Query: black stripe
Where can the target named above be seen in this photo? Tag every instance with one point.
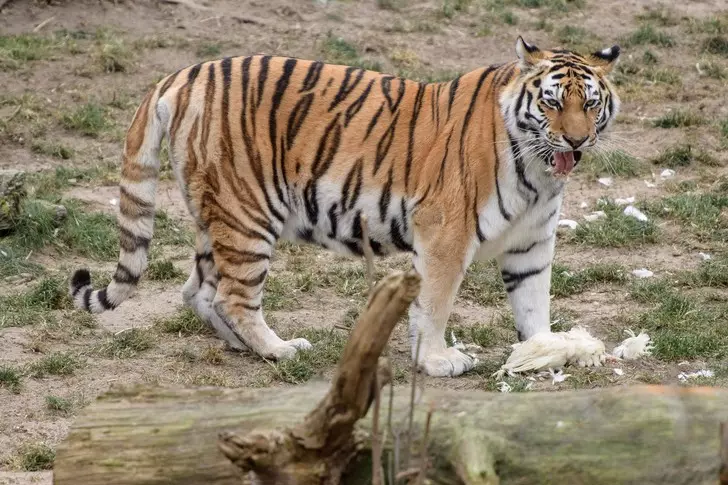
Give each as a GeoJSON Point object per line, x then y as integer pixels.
{"type": "Point", "coordinates": [385, 198]}
{"type": "Point", "coordinates": [519, 101]}
{"type": "Point", "coordinates": [356, 106]}
{"type": "Point", "coordinates": [451, 97]}
{"type": "Point", "coordinates": [386, 85]}
{"type": "Point", "coordinates": [359, 182]}
{"type": "Point", "coordinates": [194, 72]}
{"type": "Point", "coordinates": [146, 209]}
{"type": "Point", "coordinates": [403, 213]}
{"type": "Point", "coordinates": [347, 186]}
{"type": "Point", "coordinates": [347, 86]}
{"type": "Point", "coordinates": [356, 229]}
{"type": "Point", "coordinates": [299, 113]}
{"type": "Point", "coordinates": [385, 143]}
{"type": "Point", "coordinates": [478, 231]}
{"type": "Point", "coordinates": [280, 89]}
{"type": "Point", "coordinates": [104, 300]}
{"type": "Point", "coordinates": [203, 257]}
{"type": "Point", "coordinates": [312, 76]}
{"type": "Point", "coordinates": [469, 114]}
{"type": "Point", "coordinates": [527, 248]}
{"type": "Point", "coordinates": [373, 121]}
{"type": "Point", "coordinates": [513, 280]}
{"type": "Point", "coordinates": [333, 221]}
{"type": "Point", "coordinates": [124, 275]}
{"type": "Point", "coordinates": [168, 83]}
{"type": "Point", "coordinates": [327, 148]}
{"type": "Point", "coordinates": [310, 201]}
{"type": "Point", "coordinates": [397, 238]}
{"type": "Point", "coordinates": [87, 298]}
{"type": "Point", "coordinates": [411, 140]}
{"type": "Point", "coordinates": [225, 217]}
{"type": "Point", "coordinates": [520, 167]}
{"type": "Point", "coordinates": [441, 175]}
{"type": "Point", "coordinates": [262, 77]}
{"type": "Point", "coordinates": [251, 282]}
{"type": "Point", "coordinates": [237, 256]}
{"type": "Point", "coordinates": [130, 242]}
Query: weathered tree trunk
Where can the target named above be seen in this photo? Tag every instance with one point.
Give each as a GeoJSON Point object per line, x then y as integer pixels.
{"type": "Point", "coordinates": [629, 435]}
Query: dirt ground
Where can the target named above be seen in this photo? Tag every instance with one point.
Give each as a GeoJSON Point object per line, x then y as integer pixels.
{"type": "Point", "coordinates": [101, 56]}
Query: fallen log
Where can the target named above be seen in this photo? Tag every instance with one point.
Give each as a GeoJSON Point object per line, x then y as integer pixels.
{"type": "Point", "coordinates": [316, 435]}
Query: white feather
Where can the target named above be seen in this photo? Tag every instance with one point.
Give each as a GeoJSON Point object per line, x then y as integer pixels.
{"type": "Point", "coordinates": [633, 347]}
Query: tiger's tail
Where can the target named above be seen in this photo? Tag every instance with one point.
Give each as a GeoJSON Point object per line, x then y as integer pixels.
{"type": "Point", "coordinates": [139, 176]}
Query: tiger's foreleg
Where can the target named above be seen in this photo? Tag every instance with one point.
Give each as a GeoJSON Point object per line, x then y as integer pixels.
{"type": "Point", "coordinates": [527, 279]}
{"type": "Point", "coordinates": [200, 289]}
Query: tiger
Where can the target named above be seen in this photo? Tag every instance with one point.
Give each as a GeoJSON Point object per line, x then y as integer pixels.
{"type": "Point", "coordinates": [269, 148]}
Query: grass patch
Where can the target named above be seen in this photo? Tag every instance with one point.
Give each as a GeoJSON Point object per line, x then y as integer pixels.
{"type": "Point", "coordinates": [648, 34]}
{"type": "Point", "coordinates": [17, 50]}
{"type": "Point", "coordinates": [169, 231]}
{"type": "Point", "coordinates": [10, 379]}
{"type": "Point", "coordinates": [34, 306]}
{"type": "Point", "coordinates": [716, 45]}
{"type": "Point", "coordinates": [327, 348]}
{"type": "Point", "coordinates": [712, 273]}
{"type": "Point", "coordinates": [700, 213]}
{"type": "Point", "coordinates": [209, 50]}
{"type": "Point", "coordinates": [660, 16]}
{"type": "Point", "coordinates": [680, 326]}
{"type": "Point", "coordinates": [555, 5]}
{"type": "Point", "coordinates": [126, 344]}
{"type": "Point", "coordinates": [89, 119]}
{"type": "Point", "coordinates": [111, 54]}
{"type": "Point", "coordinates": [679, 119]}
{"type": "Point", "coordinates": [36, 457]}
{"type": "Point", "coordinates": [615, 230]}
{"type": "Point", "coordinates": [55, 364]}
{"type": "Point", "coordinates": [578, 38]}
{"type": "Point", "coordinates": [338, 50]}
{"type": "Point", "coordinates": [163, 270]}
{"type": "Point", "coordinates": [185, 323]}
{"type": "Point", "coordinates": [482, 335]}
{"type": "Point", "coordinates": [212, 355]}
{"type": "Point", "coordinates": [58, 404]}
{"type": "Point", "coordinates": [616, 163]}
{"type": "Point", "coordinates": [683, 155]}
{"type": "Point", "coordinates": [483, 284]}
{"type": "Point", "coordinates": [565, 283]}
{"type": "Point", "coordinates": [51, 149]}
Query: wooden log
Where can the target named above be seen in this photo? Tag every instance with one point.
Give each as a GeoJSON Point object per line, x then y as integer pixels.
{"type": "Point", "coordinates": [630, 435]}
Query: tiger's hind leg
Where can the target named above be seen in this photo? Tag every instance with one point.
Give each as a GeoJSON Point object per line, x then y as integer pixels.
{"type": "Point", "coordinates": [200, 289]}
{"type": "Point", "coordinates": [242, 259]}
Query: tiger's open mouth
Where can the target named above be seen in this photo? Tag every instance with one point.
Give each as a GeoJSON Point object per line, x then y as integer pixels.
{"type": "Point", "coordinates": [564, 162]}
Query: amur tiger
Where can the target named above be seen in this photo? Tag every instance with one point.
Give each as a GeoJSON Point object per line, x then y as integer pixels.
{"type": "Point", "coordinates": [268, 147]}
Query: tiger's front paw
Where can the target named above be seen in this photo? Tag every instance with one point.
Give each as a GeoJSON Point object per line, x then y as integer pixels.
{"type": "Point", "coordinates": [449, 362]}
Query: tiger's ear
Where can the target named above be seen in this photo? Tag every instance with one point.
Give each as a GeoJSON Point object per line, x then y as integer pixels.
{"type": "Point", "coordinates": [605, 59]}
{"type": "Point", "coordinates": [528, 54]}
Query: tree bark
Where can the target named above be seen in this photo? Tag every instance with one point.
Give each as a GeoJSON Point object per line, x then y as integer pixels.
{"type": "Point", "coordinates": [626, 435]}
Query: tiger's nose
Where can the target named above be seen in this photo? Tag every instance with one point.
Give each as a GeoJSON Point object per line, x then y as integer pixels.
{"type": "Point", "coordinates": [575, 142]}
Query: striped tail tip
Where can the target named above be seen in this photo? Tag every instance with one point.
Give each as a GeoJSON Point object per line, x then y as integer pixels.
{"type": "Point", "coordinates": [83, 295]}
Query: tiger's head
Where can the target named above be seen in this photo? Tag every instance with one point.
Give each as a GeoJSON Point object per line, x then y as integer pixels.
{"type": "Point", "coordinates": [561, 103]}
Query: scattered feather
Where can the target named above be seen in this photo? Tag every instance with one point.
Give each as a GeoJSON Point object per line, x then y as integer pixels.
{"type": "Point", "coordinates": [705, 256]}
{"type": "Point", "coordinates": [625, 201]}
{"type": "Point", "coordinates": [583, 205]}
{"type": "Point", "coordinates": [114, 201]}
{"type": "Point", "coordinates": [643, 273]}
{"type": "Point", "coordinates": [568, 223]}
{"type": "Point", "coordinates": [618, 371]}
{"type": "Point", "coordinates": [503, 386]}
{"type": "Point", "coordinates": [668, 173]}
{"type": "Point", "coordinates": [595, 215]}
{"type": "Point", "coordinates": [683, 376]}
{"type": "Point", "coordinates": [605, 181]}
{"type": "Point", "coordinates": [650, 185]}
{"type": "Point", "coordinates": [558, 376]}
{"type": "Point", "coordinates": [632, 211]}
{"type": "Point", "coordinates": [634, 346]}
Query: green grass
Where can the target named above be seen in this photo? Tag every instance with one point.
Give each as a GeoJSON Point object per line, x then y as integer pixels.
{"type": "Point", "coordinates": [482, 284]}
{"type": "Point", "coordinates": [679, 119]}
{"type": "Point", "coordinates": [681, 326]}
{"type": "Point", "coordinates": [55, 364]}
{"type": "Point", "coordinates": [485, 336]}
{"type": "Point", "coordinates": [615, 163]}
{"type": "Point", "coordinates": [126, 344]}
{"type": "Point", "coordinates": [723, 128]}
{"type": "Point", "coordinates": [36, 304]}
{"type": "Point", "coordinates": [648, 34]}
{"type": "Point", "coordinates": [51, 149]}
{"type": "Point", "coordinates": [111, 53]}
{"type": "Point", "coordinates": [169, 231]}
{"type": "Point", "coordinates": [89, 119]}
{"type": "Point", "coordinates": [714, 70]}
{"type": "Point", "coordinates": [328, 346]}
{"type": "Point", "coordinates": [716, 45]}
{"type": "Point", "coordinates": [17, 50]}
{"type": "Point", "coordinates": [36, 457]}
{"type": "Point", "coordinates": [338, 50]}
{"type": "Point", "coordinates": [163, 270]}
{"type": "Point", "coordinates": [209, 50]}
{"type": "Point", "coordinates": [645, 74]}
{"type": "Point", "coordinates": [683, 155]}
{"type": "Point", "coordinates": [578, 39]}
{"type": "Point", "coordinates": [58, 404]}
{"type": "Point", "coordinates": [565, 282]}
{"type": "Point", "coordinates": [554, 5]}
{"type": "Point", "coordinates": [661, 16]}
{"type": "Point", "coordinates": [10, 379]}
{"type": "Point", "coordinates": [615, 230]}
{"type": "Point", "coordinates": [184, 323]}
{"type": "Point", "coordinates": [699, 213]}
{"type": "Point", "coordinates": [712, 273]}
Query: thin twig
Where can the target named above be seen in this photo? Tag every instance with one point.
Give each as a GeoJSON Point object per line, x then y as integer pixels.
{"type": "Point", "coordinates": [44, 23]}
{"type": "Point", "coordinates": [12, 115]}
{"type": "Point", "coordinates": [376, 442]}
{"type": "Point", "coordinates": [423, 451]}
{"type": "Point", "coordinates": [368, 253]}
{"type": "Point", "coordinates": [412, 399]}
{"type": "Point", "coordinates": [723, 454]}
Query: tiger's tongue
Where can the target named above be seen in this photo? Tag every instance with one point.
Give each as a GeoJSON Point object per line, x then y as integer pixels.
{"type": "Point", "coordinates": [563, 162]}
